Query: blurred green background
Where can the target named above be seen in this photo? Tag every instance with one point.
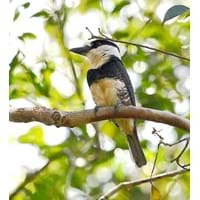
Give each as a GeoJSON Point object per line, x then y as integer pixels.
{"type": "Point", "coordinates": [84, 162]}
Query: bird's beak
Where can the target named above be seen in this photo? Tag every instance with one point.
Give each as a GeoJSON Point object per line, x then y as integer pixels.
{"type": "Point", "coordinates": [81, 50]}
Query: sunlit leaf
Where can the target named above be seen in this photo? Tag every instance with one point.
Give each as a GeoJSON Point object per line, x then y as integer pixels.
{"type": "Point", "coordinates": [25, 36]}
{"type": "Point", "coordinates": [26, 5]}
{"type": "Point", "coordinates": [175, 11]}
{"type": "Point", "coordinates": [42, 13]}
{"type": "Point", "coordinates": [33, 136]}
{"type": "Point", "coordinates": [121, 34]}
{"type": "Point", "coordinates": [15, 61]}
{"type": "Point", "coordinates": [17, 12]}
{"type": "Point", "coordinates": [44, 185]}
{"type": "Point", "coordinates": [90, 4]}
{"type": "Point", "coordinates": [120, 5]}
{"type": "Point", "coordinates": [155, 193]}
{"type": "Point", "coordinates": [119, 175]}
{"type": "Point", "coordinates": [78, 178]}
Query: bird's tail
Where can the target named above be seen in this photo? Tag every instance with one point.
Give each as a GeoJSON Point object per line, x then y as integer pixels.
{"type": "Point", "coordinates": [136, 149]}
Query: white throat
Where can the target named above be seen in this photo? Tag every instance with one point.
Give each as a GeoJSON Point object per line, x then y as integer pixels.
{"type": "Point", "coordinates": [101, 55]}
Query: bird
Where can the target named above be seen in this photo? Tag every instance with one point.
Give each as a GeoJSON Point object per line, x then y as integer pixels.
{"type": "Point", "coordinates": [110, 85]}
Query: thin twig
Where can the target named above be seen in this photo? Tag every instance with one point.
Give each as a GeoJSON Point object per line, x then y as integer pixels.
{"type": "Point", "coordinates": [77, 84]}
{"type": "Point", "coordinates": [177, 159]}
{"type": "Point", "coordinates": [131, 184]}
{"type": "Point", "coordinates": [155, 160]}
{"type": "Point", "coordinates": [155, 132]}
{"type": "Point", "coordinates": [134, 44]}
{"type": "Point", "coordinates": [92, 35]}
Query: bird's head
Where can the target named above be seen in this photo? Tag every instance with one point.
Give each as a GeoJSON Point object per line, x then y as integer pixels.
{"type": "Point", "coordinates": [98, 52]}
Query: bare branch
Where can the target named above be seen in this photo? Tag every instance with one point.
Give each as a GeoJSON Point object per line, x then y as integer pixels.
{"type": "Point", "coordinates": [129, 184]}
{"type": "Point", "coordinates": [70, 119]}
{"type": "Point", "coordinates": [92, 35]}
{"type": "Point", "coordinates": [155, 160]}
{"type": "Point", "coordinates": [177, 158]}
{"type": "Point", "coordinates": [103, 36]}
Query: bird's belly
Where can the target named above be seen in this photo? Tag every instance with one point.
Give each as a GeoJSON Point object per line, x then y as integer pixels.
{"type": "Point", "coordinates": [104, 91]}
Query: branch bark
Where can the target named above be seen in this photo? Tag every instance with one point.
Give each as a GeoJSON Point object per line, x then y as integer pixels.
{"type": "Point", "coordinates": [70, 119]}
{"type": "Point", "coordinates": [129, 184]}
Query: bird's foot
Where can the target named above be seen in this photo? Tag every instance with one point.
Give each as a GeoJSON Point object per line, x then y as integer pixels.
{"type": "Point", "coordinates": [96, 109]}
{"type": "Point", "coordinates": [117, 106]}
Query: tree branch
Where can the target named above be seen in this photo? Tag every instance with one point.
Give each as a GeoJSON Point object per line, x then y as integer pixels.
{"type": "Point", "coordinates": [103, 36]}
{"type": "Point", "coordinates": [70, 119]}
{"type": "Point", "coordinates": [138, 182]}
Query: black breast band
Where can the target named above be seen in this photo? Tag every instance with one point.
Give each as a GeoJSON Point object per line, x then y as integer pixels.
{"type": "Point", "coordinates": [108, 70]}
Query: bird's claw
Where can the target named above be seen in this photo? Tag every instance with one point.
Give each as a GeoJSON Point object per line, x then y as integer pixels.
{"type": "Point", "coordinates": [96, 109]}
{"type": "Point", "coordinates": [117, 107]}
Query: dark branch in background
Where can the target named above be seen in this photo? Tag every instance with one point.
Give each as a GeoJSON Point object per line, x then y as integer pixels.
{"type": "Point", "coordinates": [61, 19]}
{"type": "Point", "coordinates": [103, 36]}
{"type": "Point", "coordinates": [139, 182]}
{"type": "Point", "coordinates": [76, 81]}
{"type": "Point", "coordinates": [70, 119]}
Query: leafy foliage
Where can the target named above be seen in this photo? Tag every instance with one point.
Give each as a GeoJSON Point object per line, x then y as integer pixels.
{"type": "Point", "coordinates": [27, 36]}
{"type": "Point", "coordinates": [175, 11]}
{"type": "Point", "coordinates": [93, 158]}
{"type": "Point", "coordinates": [18, 12]}
{"type": "Point", "coordinates": [42, 13]}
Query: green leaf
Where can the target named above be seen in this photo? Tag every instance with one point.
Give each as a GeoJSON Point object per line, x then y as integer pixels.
{"type": "Point", "coordinates": [49, 182]}
{"type": "Point", "coordinates": [155, 193]}
{"type": "Point", "coordinates": [16, 15]}
{"type": "Point", "coordinates": [15, 61]}
{"type": "Point", "coordinates": [17, 12]}
{"type": "Point", "coordinates": [26, 5]}
{"type": "Point", "coordinates": [119, 6]}
{"type": "Point", "coordinates": [27, 36]}
{"type": "Point", "coordinates": [33, 136]}
{"type": "Point", "coordinates": [78, 177]}
{"type": "Point", "coordinates": [41, 13]}
{"type": "Point", "coordinates": [175, 11]}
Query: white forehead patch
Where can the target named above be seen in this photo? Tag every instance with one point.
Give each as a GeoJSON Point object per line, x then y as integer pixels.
{"type": "Point", "coordinates": [101, 55]}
